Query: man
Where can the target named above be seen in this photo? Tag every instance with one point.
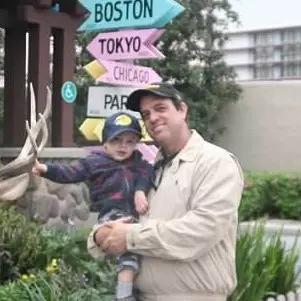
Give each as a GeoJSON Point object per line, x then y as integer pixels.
{"type": "Point", "coordinates": [187, 238]}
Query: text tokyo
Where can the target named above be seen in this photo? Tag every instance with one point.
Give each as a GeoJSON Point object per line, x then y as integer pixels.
{"type": "Point", "coordinates": [120, 45]}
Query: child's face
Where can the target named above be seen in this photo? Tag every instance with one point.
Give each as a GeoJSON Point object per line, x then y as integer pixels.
{"type": "Point", "coordinates": [122, 146]}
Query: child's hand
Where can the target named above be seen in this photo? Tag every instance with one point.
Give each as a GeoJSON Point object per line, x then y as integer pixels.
{"type": "Point", "coordinates": [39, 169]}
{"type": "Point", "coordinates": [141, 204]}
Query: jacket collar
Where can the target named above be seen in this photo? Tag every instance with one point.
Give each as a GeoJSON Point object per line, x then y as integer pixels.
{"type": "Point", "coordinates": [190, 150]}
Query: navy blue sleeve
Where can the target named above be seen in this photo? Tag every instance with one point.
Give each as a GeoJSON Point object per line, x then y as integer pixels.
{"type": "Point", "coordinates": [145, 177]}
{"type": "Point", "coordinates": [70, 173]}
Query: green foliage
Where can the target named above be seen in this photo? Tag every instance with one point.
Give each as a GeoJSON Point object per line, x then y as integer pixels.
{"type": "Point", "coordinates": [276, 195]}
{"type": "Point", "coordinates": [58, 286]}
{"type": "Point", "coordinates": [264, 268]}
{"type": "Point", "coordinates": [72, 250]}
{"type": "Point", "coordinates": [26, 246]}
{"type": "Point", "coordinates": [21, 244]}
{"type": "Point", "coordinates": [192, 45]}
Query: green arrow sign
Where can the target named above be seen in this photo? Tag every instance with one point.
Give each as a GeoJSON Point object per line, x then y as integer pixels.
{"type": "Point", "coordinates": [117, 14]}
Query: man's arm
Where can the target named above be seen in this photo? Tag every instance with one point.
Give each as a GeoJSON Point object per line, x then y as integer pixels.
{"type": "Point", "coordinates": [94, 249]}
{"type": "Point", "coordinates": [213, 208]}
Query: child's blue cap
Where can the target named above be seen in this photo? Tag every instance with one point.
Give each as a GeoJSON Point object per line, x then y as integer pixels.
{"type": "Point", "coordinates": [120, 123]}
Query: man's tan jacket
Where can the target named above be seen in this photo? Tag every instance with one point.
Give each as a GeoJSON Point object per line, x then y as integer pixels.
{"type": "Point", "coordinates": [188, 237]}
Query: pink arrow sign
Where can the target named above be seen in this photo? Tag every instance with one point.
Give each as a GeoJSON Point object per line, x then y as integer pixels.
{"type": "Point", "coordinates": [127, 74]}
{"type": "Point", "coordinates": [126, 45]}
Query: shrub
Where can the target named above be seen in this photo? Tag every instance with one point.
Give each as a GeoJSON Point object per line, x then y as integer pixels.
{"type": "Point", "coordinates": [71, 249]}
{"type": "Point", "coordinates": [264, 267]}
{"type": "Point", "coordinates": [21, 244]}
{"type": "Point", "coordinates": [27, 247]}
{"type": "Point", "coordinates": [49, 287]}
{"type": "Point", "coordinates": [275, 195]}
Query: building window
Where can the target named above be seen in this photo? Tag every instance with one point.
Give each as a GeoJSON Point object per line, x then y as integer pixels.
{"type": "Point", "coordinates": [264, 38]}
{"type": "Point", "coordinates": [264, 71]}
{"type": "Point", "coordinates": [291, 36]}
{"type": "Point", "coordinates": [291, 70]}
{"type": "Point", "coordinates": [282, 57]}
{"type": "Point", "coordinates": [268, 55]}
{"type": "Point", "coordinates": [291, 52]}
{"type": "Point", "coordinates": [264, 55]}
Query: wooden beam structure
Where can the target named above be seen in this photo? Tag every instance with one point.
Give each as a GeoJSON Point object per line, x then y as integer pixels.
{"type": "Point", "coordinates": [36, 21]}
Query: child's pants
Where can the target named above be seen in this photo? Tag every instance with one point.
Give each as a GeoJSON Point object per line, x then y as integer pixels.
{"type": "Point", "coordinates": [127, 260]}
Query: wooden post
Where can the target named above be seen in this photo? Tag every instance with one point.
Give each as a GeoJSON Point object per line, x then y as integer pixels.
{"type": "Point", "coordinates": [63, 70]}
{"type": "Point", "coordinates": [39, 63]}
{"type": "Point", "coordinates": [14, 91]}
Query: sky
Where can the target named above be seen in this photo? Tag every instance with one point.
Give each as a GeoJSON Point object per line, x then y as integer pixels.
{"type": "Point", "coordinates": [265, 14]}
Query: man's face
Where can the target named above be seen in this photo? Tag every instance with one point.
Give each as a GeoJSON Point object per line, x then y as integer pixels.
{"type": "Point", "coordinates": [122, 146]}
{"type": "Point", "coordinates": [162, 119]}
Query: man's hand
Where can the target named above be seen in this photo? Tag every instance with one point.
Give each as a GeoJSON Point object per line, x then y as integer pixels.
{"type": "Point", "coordinates": [101, 234]}
{"type": "Point", "coordinates": [115, 243]}
{"type": "Point", "coordinates": [141, 204]}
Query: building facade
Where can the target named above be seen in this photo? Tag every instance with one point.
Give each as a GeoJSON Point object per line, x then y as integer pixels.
{"type": "Point", "coordinates": [265, 54]}
{"type": "Point", "coordinates": [263, 127]}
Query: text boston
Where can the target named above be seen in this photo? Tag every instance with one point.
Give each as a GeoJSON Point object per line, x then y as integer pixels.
{"type": "Point", "coordinates": [126, 9]}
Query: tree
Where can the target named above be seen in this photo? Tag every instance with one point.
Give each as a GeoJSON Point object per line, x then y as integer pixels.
{"type": "Point", "coordinates": [83, 81]}
{"type": "Point", "coordinates": [194, 61]}
{"type": "Point", "coordinates": [192, 45]}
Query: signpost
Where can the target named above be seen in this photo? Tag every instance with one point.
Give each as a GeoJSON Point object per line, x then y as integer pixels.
{"type": "Point", "coordinates": [126, 44]}
{"type": "Point", "coordinates": [87, 128]}
{"type": "Point", "coordinates": [118, 14]}
{"type": "Point", "coordinates": [127, 74]}
{"type": "Point", "coordinates": [145, 18]}
{"type": "Point", "coordinates": [105, 101]}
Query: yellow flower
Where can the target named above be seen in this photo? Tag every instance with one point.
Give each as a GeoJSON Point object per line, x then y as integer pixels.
{"type": "Point", "coordinates": [32, 277]}
{"type": "Point", "coordinates": [25, 277]}
{"type": "Point", "coordinates": [54, 262]}
{"type": "Point", "coordinates": [50, 268]}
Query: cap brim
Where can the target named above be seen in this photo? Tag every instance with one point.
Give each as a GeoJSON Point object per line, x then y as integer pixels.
{"type": "Point", "coordinates": [133, 101]}
{"type": "Point", "coordinates": [121, 131]}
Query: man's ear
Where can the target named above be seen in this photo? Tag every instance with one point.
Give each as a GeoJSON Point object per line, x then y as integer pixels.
{"type": "Point", "coordinates": [184, 107]}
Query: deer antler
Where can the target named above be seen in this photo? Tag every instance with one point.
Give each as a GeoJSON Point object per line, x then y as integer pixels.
{"type": "Point", "coordinates": [15, 175]}
{"type": "Point", "coordinates": [36, 126]}
{"type": "Point", "coordinates": [29, 152]}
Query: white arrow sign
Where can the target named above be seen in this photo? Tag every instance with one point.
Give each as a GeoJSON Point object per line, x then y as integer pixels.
{"type": "Point", "coordinates": [105, 101]}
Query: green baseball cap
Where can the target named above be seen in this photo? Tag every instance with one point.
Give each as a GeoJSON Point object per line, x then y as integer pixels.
{"type": "Point", "coordinates": [164, 90]}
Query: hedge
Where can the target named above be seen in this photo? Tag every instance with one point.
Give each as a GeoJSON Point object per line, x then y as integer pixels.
{"type": "Point", "coordinates": [274, 195]}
